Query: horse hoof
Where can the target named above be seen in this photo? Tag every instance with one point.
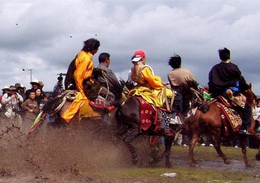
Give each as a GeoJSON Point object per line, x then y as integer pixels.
{"type": "Point", "coordinates": [248, 165]}
{"type": "Point", "coordinates": [135, 161]}
{"type": "Point", "coordinates": [257, 157]}
{"type": "Point", "coordinates": [194, 165]}
{"type": "Point", "coordinates": [168, 165]}
{"type": "Point", "coordinates": [226, 162]}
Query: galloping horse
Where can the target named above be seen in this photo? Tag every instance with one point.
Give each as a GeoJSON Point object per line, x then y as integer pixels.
{"type": "Point", "coordinates": [212, 122]}
{"type": "Point", "coordinates": [129, 122]}
{"type": "Point", "coordinates": [94, 110]}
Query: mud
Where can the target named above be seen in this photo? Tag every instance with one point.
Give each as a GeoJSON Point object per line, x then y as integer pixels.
{"type": "Point", "coordinates": [69, 153]}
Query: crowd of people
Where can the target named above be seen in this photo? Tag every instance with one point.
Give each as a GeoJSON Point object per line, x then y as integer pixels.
{"type": "Point", "coordinates": [225, 79]}
{"type": "Point", "coordinates": [17, 102]}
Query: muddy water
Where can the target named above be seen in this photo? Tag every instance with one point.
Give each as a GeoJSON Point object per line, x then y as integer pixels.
{"type": "Point", "coordinates": [57, 153]}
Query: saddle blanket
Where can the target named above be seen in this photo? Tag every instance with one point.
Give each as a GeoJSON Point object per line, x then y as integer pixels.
{"type": "Point", "coordinates": [148, 114]}
{"type": "Point", "coordinates": [231, 116]}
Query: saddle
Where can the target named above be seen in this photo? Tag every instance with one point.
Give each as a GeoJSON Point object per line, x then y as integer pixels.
{"type": "Point", "coordinates": [230, 117]}
{"type": "Point", "coordinates": [149, 116]}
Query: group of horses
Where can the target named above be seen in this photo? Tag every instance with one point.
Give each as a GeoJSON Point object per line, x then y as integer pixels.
{"type": "Point", "coordinates": [206, 118]}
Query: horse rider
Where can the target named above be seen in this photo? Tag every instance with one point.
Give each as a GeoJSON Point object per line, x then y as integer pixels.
{"type": "Point", "coordinates": [80, 69]}
{"type": "Point", "coordinates": [149, 87]}
{"type": "Point", "coordinates": [111, 89]}
{"type": "Point", "coordinates": [178, 78]}
{"type": "Point", "coordinates": [225, 79]}
{"type": "Point", "coordinates": [109, 79]}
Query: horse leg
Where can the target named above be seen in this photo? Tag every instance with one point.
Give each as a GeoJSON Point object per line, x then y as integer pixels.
{"type": "Point", "coordinates": [217, 140]}
{"type": "Point", "coordinates": [257, 156]}
{"type": "Point", "coordinates": [168, 140]}
{"type": "Point", "coordinates": [128, 137]}
{"type": "Point", "coordinates": [194, 140]}
{"type": "Point", "coordinates": [243, 148]}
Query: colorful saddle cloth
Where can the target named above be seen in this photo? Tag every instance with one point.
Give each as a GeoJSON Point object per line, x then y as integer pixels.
{"type": "Point", "coordinates": [148, 114]}
{"type": "Point", "coordinates": [229, 115]}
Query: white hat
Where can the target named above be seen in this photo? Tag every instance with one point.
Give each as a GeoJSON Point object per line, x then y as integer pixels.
{"type": "Point", "coordinates": [6, 88]}
{"type": "Point", "coordinates": [35, 81]}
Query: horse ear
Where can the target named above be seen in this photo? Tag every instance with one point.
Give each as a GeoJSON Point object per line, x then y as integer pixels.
{"type": "Point", "coordinates": [250, 85]}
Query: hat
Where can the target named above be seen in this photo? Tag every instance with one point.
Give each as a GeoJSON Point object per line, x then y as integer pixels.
{"type": "Point", "coordinates": [35, 81]}
{"type": "Point", "coordinates": [17, 85]}
{"type": "Point", "coordinates": [41, 83]}
{"type": "Point", "coordinates": [5, 88]}
{"type": "Point", "coordinates": [139, 54]}
{"type": "Point", "coordinates": [13, 88]}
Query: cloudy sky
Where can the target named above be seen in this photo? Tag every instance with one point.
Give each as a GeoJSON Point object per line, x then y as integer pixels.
{"type": "Point", "coordinates": [45, 36]}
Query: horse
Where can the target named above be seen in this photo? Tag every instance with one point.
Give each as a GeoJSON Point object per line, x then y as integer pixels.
{"type": "Point", "coordinates": [128, 117]}
{"type": "Point", "coordinates": [212, 122]}
{"type": "Point", "coordinates": [95, 109]}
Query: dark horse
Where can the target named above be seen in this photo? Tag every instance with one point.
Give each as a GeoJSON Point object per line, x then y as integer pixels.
{"type": "Point", "coordinates": [212, 123]}
{"type": "Point", "coordinates": [129, 121]}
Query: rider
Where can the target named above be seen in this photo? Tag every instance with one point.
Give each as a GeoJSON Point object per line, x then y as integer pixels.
{"type": "Point", "coordinates": [226, 77]}
{"type": "Point", "coordinates": [149, 86]}
{"type": "Point", "coordinates": [111, 89]}
{"type": "Point", "coordinates": [109, 80]}
{"type": "Point", "coordinates": [178, 78]}
{"type": "Point", "coordinates": [81, 69]}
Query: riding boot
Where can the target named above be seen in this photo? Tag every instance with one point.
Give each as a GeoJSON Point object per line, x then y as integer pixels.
{"type": "Point", "coordinates": [246, 119]}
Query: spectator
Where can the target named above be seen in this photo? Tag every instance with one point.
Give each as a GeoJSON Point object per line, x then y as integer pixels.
{"type": "Point", "coordinates": [39, 96]}
{"type": "Point", "coordinates": [35, 85]}
{"type": "Point", "coordinates": [21, 90]}
{"type": "Point", "coordinates": [12, 103]}
{"type": "Point", "coordinates": [31, 110]}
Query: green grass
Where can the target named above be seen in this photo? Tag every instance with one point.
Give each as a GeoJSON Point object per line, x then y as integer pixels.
{"type": "Point", "coordinates": [184, 172]}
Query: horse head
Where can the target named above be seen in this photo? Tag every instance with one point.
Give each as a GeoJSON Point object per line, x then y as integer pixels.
{"type": "Point", "coordinates": [249, 94]}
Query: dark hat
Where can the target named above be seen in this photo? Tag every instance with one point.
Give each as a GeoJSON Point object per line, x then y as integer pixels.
{"type": "Point", "coordinates": [60, 78]}
{"type": "Point", "coordinates": [17, 85]}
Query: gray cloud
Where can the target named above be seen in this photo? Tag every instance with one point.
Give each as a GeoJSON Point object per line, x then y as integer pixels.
{"type": "Point", "coordinates": [46, 36]}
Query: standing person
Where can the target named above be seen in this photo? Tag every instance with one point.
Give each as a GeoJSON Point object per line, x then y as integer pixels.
{"type": "Point", "coordinates": [225, 78]}
{"type": "Point", "coordinates": [12, 103]}
{"type": "Point", "coordinates": [31, 110]}
{"type": "Point", "coordinates": [35, 85]}
{"type": "Point", "coordinates": [5, 89]}
{"type": "Point", "coordinates": [79, 71]}
{"type": "Point", "coordinates": [39, 96]}
{"type": "Point", "coordinates": [110, 80]}
{"type": "Point", "coordinates": [58, 88]}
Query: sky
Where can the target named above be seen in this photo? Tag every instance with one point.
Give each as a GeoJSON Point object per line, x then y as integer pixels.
{"type": "Point", "coordinates": [39, 38]}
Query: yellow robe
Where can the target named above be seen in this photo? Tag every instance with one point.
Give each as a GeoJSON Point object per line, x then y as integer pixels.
{"type": "Point", "coordinates": [153, 91]}
{"type": "Point", "coordinates": [84, 69]}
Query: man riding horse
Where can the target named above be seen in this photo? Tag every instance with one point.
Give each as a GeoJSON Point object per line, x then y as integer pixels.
{"type": "Point", "coordinates": [225, 79]}
{"type": "Point", "coordinates": [149, 87]}
{"type": "Point", "coordinates": [179, 78]}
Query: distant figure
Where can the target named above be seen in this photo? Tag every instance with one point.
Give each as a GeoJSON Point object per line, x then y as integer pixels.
{"type": "Point", "coordinates": [58, 88]}
{"type": "Point", "coordinates": [12, 103]}
{"type": "Point", "coordinates": [35, 85]}
{"type": "Point", "coordinates": [31, 110]}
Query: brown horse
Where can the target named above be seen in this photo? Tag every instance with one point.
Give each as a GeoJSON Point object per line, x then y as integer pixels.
{"type": "Point", "coordinates": [211, 122]}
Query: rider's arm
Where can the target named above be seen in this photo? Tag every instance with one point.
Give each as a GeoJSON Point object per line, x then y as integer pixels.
{"type": "Point", "coordinates": [154, 81]}
{"type": "Point", "coordinates": [84, 69]}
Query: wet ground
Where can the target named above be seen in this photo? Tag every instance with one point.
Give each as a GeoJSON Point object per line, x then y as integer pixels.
{"type": "Point", "coordinates": [65, 153]}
